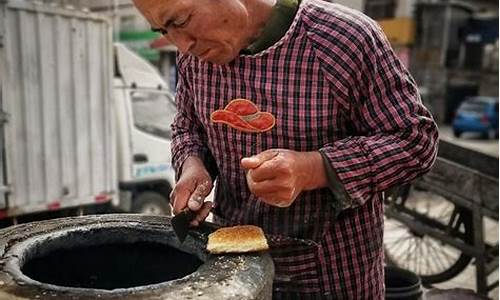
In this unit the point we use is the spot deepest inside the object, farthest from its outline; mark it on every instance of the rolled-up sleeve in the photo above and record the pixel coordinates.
(188, 135)
(396, 137)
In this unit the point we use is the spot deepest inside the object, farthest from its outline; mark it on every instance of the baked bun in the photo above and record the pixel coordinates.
(237, 239)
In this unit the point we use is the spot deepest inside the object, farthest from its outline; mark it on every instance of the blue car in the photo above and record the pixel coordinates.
(477, 114)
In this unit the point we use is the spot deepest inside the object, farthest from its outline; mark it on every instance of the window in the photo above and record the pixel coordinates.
(153, 112)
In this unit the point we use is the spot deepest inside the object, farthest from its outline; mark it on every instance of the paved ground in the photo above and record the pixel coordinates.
(470, 140)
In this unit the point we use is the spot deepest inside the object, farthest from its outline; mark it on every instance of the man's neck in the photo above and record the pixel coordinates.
(259, 12)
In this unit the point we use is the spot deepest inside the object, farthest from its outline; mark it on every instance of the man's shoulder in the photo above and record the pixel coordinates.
(322, 16)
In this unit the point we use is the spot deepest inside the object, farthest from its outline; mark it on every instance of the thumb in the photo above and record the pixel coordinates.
(255, 161)
(198, 196)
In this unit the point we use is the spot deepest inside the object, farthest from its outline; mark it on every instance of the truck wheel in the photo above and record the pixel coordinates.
(151, 203)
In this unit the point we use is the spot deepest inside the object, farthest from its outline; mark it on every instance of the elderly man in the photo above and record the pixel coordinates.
(331, 119)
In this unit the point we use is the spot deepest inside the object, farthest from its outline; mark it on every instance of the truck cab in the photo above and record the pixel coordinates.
(144, 108)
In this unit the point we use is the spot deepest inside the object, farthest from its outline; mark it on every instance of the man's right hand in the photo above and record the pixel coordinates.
(193, 186)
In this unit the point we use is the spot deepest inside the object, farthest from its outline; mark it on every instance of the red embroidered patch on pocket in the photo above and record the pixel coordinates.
(243, 115)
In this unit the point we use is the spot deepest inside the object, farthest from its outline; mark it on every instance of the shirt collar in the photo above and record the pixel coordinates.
(280, 20)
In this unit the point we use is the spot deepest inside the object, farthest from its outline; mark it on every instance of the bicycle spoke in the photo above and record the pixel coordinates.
(443, 256)
(421, 257)
(393, 240)
(429, 257)
(444, 250)
(410, 252)
(398, 253)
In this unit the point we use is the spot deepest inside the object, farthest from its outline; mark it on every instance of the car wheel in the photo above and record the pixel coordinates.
(151, 203)
(457, 133)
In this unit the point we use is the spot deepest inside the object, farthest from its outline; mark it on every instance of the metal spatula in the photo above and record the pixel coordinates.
(180, 223)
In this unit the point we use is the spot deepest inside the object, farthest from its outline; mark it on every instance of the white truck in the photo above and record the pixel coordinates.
(144, 110)
(83, 122)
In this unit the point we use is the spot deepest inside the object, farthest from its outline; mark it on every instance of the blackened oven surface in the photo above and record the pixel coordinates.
(112, 266)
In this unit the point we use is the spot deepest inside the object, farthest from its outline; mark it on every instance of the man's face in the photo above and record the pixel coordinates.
(212, 30)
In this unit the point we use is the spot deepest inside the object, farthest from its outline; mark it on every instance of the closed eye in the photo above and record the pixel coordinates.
(182, 21)
(160, 30)
(178, 23)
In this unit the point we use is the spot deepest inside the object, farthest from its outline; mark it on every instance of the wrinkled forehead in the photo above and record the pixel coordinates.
(156, 11)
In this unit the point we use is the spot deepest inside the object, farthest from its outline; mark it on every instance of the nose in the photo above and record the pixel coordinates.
(182, 40)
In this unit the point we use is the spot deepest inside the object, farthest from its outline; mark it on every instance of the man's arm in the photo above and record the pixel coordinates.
(188, 135)
(396, 139)
(193, 163)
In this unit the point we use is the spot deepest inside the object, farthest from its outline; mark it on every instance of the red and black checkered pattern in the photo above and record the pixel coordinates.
(334, 85)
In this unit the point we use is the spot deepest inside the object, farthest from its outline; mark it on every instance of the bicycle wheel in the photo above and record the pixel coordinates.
(433, 260)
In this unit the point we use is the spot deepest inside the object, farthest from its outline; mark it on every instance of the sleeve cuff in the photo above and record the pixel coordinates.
(341, 198)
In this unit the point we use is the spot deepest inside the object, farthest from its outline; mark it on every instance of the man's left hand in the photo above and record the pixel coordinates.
(278, 176)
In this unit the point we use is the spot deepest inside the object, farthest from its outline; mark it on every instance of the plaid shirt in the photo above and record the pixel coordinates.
(334, 85)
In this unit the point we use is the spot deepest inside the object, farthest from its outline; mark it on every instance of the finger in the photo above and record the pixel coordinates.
(268, 187)
(255, 161)
(180, 199)
(266, 171)
(202, 214)
(277, 200)
(198, 196)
